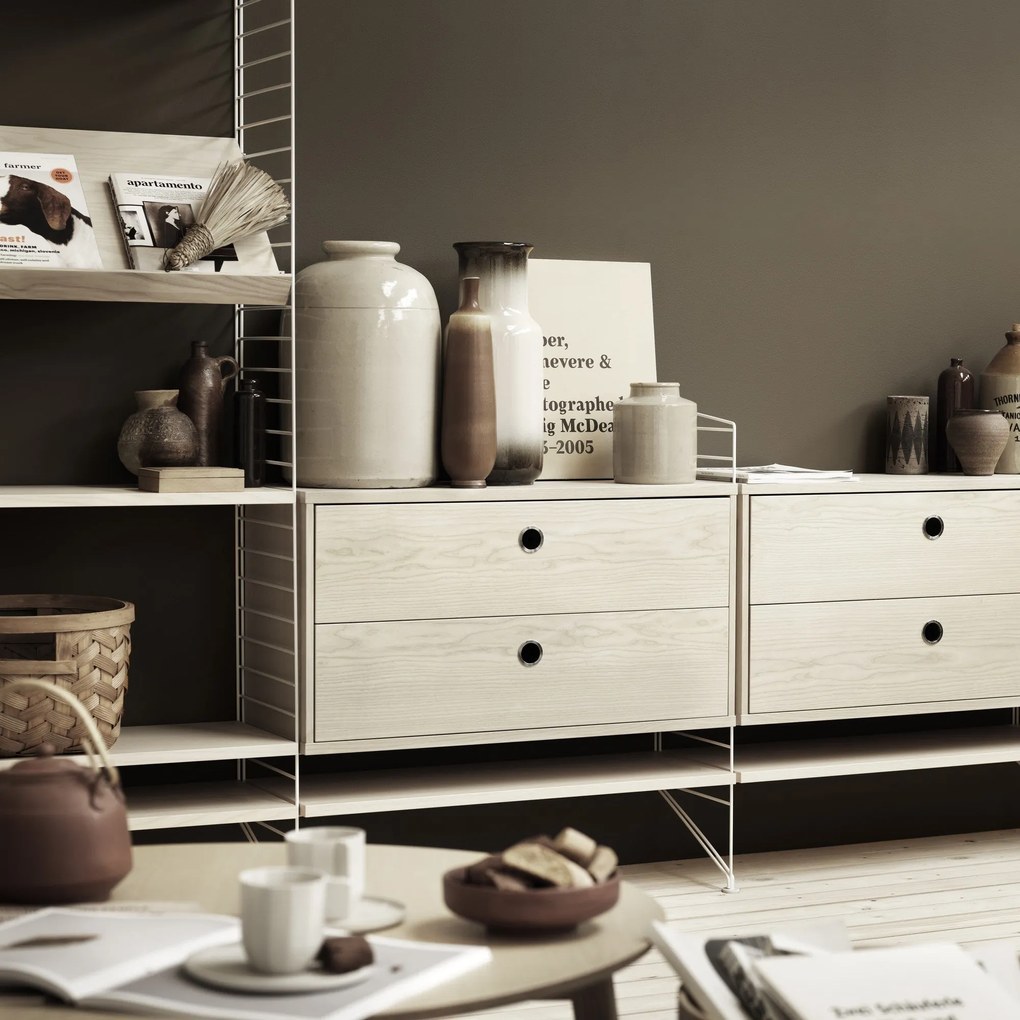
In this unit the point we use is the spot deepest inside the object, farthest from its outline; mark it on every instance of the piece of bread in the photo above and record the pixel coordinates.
(603, 864)
(575, 845)
(540, 861)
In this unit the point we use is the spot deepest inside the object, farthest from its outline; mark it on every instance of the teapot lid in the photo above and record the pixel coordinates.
(44, 763)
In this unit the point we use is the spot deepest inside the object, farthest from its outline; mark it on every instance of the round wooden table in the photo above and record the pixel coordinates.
(577, 966)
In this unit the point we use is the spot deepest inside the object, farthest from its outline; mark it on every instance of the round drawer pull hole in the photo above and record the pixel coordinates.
(529, 653)
(531, 539)
(933, 527)
(932, 632)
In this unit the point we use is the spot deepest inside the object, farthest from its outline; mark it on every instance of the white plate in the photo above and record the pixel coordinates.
(371, 914)
(227, 967)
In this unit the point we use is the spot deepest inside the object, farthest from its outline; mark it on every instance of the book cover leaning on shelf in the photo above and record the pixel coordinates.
(155, 210)
(44, 219)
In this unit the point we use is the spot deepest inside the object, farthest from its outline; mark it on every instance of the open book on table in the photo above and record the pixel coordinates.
(133, 962)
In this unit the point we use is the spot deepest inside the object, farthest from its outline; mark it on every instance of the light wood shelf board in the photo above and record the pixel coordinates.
(499, 783)
(886, 483)
(845, 756)
(188, 804)
(39, 496)
(559, 489)
(98, 154)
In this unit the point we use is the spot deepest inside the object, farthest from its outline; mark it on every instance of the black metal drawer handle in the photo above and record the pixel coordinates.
(932, 632)
(933, 527)
(531, 539)
(529, 653)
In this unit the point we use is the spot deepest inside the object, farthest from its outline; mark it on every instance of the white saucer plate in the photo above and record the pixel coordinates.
(227, 967)
(371, 914)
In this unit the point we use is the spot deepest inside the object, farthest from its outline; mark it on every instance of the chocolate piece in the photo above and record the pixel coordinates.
(342, 953)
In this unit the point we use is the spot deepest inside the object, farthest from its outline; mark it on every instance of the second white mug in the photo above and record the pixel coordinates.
(339, 851)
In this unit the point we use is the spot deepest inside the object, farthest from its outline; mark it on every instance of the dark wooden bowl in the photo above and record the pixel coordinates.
(527, 910)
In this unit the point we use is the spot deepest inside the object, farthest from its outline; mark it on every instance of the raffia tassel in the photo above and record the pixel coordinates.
(197, 241)
(242, 200)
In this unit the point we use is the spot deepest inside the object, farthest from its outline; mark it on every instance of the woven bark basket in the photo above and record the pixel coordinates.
(79, 642)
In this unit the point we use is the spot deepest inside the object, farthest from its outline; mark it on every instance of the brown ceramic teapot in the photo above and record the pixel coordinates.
(63, 827)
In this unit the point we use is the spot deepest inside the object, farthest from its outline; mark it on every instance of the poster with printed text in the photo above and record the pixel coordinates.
(598, 338)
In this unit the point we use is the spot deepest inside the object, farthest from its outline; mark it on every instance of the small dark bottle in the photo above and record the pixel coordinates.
(251, 433)
(955, 393)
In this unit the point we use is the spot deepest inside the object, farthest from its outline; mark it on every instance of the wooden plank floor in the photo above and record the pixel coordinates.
(960, 888)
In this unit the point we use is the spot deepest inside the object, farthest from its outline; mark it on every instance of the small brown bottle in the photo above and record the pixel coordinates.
(955, 393)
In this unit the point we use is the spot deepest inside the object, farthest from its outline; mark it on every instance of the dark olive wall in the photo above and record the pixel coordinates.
(825, 190)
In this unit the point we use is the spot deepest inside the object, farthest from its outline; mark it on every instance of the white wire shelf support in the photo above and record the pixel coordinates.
(266, 539)
(710, 428)
(723, 860)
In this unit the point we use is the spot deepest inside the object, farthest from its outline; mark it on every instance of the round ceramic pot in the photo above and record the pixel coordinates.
(157, 434)
(501, 268)
(655, 436)
(1000, 391)
(978, 437)
(367, 370)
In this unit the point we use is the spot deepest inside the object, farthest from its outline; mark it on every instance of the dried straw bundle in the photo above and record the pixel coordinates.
(242, 200)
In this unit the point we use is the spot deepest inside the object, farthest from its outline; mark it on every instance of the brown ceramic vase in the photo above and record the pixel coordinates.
(978, 437)
(203, 382)
(157, 434)
(468, 431)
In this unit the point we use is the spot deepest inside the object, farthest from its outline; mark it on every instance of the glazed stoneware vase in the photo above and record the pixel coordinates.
(204, 380)
(157, 434)
(655, 436)
(468, 430)
(502, 271)
(906, 449)
(1000, 391)
(978, 437)
(368, 358)
(955, 392)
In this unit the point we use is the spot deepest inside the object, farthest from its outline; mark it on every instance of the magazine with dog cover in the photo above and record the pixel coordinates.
(155, 211)
(44, 218)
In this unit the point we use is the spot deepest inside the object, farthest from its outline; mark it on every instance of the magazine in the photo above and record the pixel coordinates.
(155, 211)
(711, 971)
(937, 981)
(775, 473)
(44, 219)
(133, 962)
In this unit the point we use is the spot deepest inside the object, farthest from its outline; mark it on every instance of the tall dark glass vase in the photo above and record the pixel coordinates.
(502, 271)
(955, 393)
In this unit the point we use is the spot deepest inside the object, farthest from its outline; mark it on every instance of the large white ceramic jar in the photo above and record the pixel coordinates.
(368, 357)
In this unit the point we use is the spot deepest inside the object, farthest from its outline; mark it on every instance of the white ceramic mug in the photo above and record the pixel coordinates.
(339, 851)
(283, 914)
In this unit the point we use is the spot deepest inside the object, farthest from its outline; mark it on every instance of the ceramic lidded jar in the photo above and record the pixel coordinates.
(502, 271)
(655, 436)
(978, 437)
(1000, 391)
(367, 349)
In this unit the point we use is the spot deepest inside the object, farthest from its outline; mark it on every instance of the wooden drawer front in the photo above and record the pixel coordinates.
(815, 548)
(458, 676)
(453, 560)
(861, 654)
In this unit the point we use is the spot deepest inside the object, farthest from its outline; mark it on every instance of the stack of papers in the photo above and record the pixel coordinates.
(775, 473)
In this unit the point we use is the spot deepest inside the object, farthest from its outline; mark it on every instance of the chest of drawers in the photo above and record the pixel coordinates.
(435, 617)
(894, 597)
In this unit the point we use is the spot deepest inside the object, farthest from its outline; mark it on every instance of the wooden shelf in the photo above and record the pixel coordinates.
(188, 804)
(98, 154)
(207, 741)
(500, 783)
(846, 756)
(38, 496)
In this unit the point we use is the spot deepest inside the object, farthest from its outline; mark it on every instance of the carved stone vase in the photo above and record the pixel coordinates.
(204, 380)
(157, 434)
